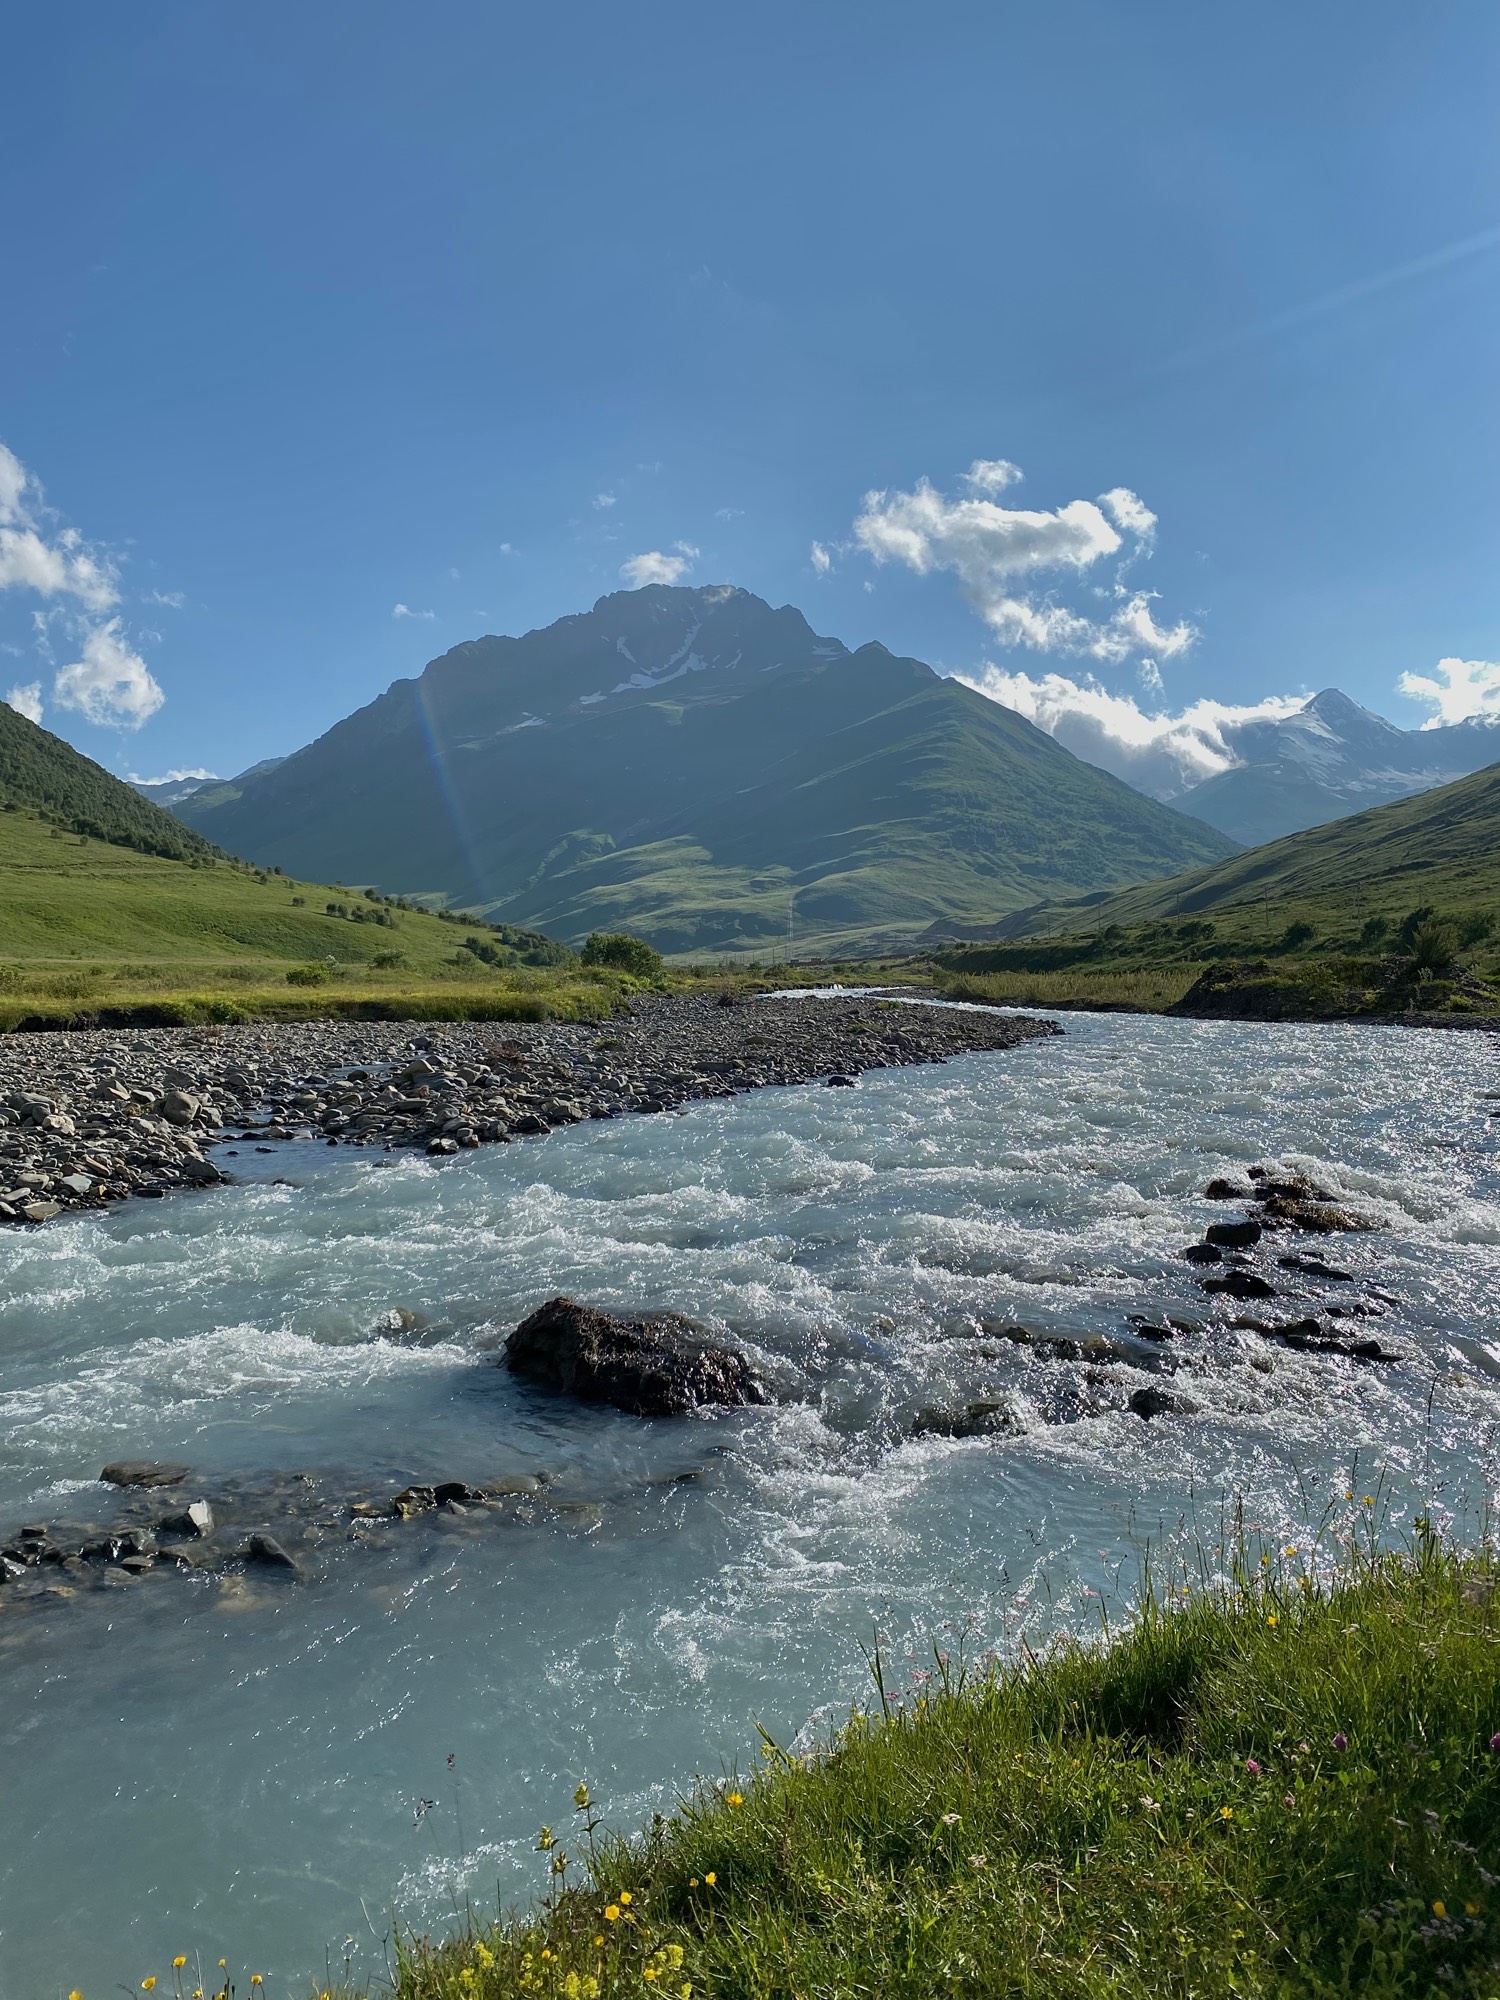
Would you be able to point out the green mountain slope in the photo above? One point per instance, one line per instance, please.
(696, 766)
(39, 770)
(1441, 847)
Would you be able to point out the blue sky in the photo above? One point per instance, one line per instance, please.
(335, 335)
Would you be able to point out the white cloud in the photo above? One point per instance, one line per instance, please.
(169, 777)
(822, 561)
(1161, 754)
(27, 699)
(110, 684)
(1456, 690)
(1128, 511)
(54, 562)
(405, 611)
(992, 475)
(728, 513)
(14, 479)
(172, 599)
(604, 500)
(655, 567)
(994, 551)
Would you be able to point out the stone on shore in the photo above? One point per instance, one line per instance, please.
(650, 1364)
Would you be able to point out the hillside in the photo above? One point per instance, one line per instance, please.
(1440, 847)
(39, 770)
(694, 765)
(1330, 759)
(1326, 922)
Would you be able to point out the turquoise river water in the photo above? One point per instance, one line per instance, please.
(240, 1770)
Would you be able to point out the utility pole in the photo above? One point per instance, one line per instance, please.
(791, 903)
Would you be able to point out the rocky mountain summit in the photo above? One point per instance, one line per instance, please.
(699, 767)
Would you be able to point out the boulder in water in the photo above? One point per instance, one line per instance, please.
(650, 1364)
(143, 1472)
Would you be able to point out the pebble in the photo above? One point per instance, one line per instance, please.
(91, 1118)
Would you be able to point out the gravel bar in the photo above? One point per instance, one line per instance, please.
(92, 1118)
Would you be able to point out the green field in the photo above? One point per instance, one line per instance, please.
(1272, 1787)
(92, 930)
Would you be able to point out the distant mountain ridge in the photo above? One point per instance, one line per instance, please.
(700, 767)
(1330, 759)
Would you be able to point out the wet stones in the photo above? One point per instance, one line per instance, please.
(977, 1419)
(1152, 1402)
(143, 1472)
(650, 1365)
(1233, 1235)
(1238, 1284)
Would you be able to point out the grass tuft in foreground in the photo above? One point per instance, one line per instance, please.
(1278, 1788)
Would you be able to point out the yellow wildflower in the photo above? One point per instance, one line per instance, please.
(256, 1980)
(147, 1984)
(581, 1797)
(1471, 1909)
(648, 1972)
(599, 1940)
(75, 1994)
(626, 1897)
(1226, 1812)
(179, 1961)
(1440, 1909)
(710, 1878)
(1272, 1619)
(735, 1799)
(485, 1956)
(545, 1840)
(611, 1913)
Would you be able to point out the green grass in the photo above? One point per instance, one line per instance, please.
(95, 931)
(1142, 988)
(1274, 1787)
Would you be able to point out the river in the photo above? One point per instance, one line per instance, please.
(262, 1770)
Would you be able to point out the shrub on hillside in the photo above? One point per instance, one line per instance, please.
(623, 953)
(307, 975)
(1434, 946)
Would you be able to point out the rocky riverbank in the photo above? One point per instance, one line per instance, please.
(90, 1119)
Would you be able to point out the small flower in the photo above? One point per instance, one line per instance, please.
(1272, 1619)
(1440, 1908)
(545, 1840)
(581, 1798)
(1226, 1812)
(147, 1984)
(710, 1878)
(626, 1897)
(599, 1940)
(1471, 1909)
(75, 1994)
(1151, 1805)
(1368, 1501)
(611, 1913)
(648, 1972)
(692, 1881)
(179, 1961)
(1252, 1767)
(735, 1799)
(1341, 1741)
(1290, 1800)
(1495, 1741)
(950, 1819)
(256, 1980)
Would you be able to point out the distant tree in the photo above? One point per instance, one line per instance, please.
(623, 953)
(1412, 922)
(1476, 927)
(1375, 928)
(1297, 934)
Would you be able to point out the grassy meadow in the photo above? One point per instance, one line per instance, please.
(94, 931)
(1272, 1785)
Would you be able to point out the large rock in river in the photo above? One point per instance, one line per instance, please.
(651, 1364)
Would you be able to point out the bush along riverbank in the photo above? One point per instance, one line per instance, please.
(1275, 1787)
